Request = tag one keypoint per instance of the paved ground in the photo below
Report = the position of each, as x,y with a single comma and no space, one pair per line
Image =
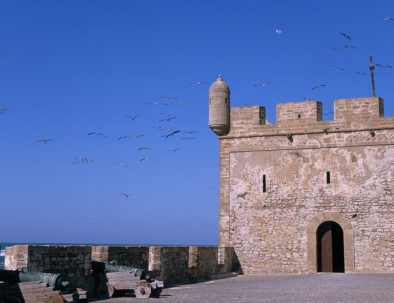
319,288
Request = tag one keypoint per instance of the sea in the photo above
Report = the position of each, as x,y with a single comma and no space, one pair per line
2,253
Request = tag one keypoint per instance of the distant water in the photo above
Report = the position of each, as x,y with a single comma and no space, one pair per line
2,253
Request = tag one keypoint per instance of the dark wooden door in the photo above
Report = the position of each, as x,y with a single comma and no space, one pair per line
330,254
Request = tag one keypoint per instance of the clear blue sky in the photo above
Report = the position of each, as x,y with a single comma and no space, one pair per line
70,68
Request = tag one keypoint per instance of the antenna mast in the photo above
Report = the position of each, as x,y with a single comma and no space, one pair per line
372,68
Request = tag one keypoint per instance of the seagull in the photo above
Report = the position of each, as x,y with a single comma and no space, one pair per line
124,195
82,160
123,137
171,134
189,138
168,118
278,31
174,149
144,148
346,36
388,18
138,136
182,102
262,84
45,140
383,65
360,73
3,110
318,86
132,118
348,46
96,134
190,131
153,103
146,158
199,83
122,164
338,67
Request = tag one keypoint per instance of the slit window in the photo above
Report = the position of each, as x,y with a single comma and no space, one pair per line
264,184
328,177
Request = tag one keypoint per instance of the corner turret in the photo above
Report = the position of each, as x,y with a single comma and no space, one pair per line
219,107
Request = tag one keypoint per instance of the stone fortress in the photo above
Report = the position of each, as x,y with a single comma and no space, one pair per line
306,195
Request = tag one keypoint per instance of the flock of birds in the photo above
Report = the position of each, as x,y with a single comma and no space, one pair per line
189,135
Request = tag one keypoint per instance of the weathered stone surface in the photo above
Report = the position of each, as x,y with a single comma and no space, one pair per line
274,192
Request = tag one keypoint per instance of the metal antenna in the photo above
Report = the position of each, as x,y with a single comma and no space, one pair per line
372,68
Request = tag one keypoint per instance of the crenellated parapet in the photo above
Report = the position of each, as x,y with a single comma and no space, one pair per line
307,117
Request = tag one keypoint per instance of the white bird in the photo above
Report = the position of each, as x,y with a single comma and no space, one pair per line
132,118
360,73
144,148
388,18
123,137
126,195
199,83
146,158
189,138
262,84
278,31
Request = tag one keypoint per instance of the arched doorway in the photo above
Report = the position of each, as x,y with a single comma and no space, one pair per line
330,252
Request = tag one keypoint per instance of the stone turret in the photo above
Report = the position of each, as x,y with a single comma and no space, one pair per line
219,107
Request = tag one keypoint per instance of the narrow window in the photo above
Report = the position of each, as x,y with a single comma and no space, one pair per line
264,184
328,177
299,116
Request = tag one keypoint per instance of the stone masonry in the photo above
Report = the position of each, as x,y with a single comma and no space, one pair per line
280,182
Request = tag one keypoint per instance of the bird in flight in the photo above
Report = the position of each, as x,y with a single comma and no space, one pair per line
262,84
278,31
138,136
123,137
346,36
189,138
338,67
3,110
171,134
388,18
45,141
96,134
82,160
146,158
168,97
168,118
198,83
153,103
122,164
144,148
318,86
126,195
190,131
360,73
174,149
383,65
243,195
132,118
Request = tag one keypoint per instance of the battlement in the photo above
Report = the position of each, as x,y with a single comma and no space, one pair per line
358,108
295,112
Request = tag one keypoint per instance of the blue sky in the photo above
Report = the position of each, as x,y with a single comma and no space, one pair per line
70,68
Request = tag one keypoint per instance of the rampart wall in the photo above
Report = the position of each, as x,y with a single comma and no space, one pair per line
172,264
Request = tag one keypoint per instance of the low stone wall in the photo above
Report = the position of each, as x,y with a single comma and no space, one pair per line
72,261
171,264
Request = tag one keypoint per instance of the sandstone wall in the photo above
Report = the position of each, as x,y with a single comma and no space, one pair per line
273,184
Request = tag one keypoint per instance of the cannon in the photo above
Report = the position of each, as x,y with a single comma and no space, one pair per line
55,281
122,279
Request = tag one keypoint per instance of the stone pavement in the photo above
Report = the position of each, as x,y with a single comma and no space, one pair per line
312,288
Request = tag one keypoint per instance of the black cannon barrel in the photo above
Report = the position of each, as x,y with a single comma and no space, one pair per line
137,272
56,281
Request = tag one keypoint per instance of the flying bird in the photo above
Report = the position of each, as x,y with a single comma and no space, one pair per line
383,65
154,103
348,46
45,141
144,148
122,164
388,18
190,131
138,136
189,138
171,134
123,137
199,83
262,84
126,195
168,97
318,86
278,31
132,118
243,195
96,134
360,73
3,110
168,118
146,158
174,149
82,160
346,35
338,67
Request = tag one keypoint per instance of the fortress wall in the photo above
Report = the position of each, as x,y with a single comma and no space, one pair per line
358,108
297,112
269,229
172,264
72,261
